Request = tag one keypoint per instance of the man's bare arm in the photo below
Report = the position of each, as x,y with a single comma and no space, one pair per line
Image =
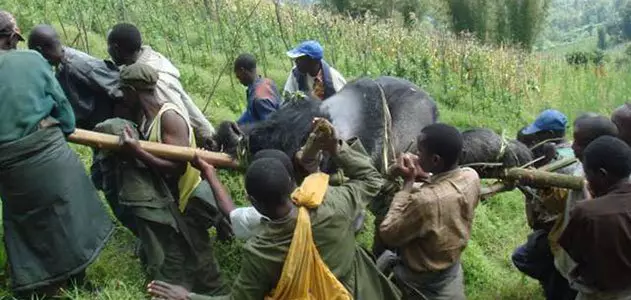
174,132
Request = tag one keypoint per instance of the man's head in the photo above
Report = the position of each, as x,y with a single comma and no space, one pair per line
123,43
10,34
279,155
245,68
439,147
589,127
606,161
622,118
307,57
550,124
45,40
138,83
268,185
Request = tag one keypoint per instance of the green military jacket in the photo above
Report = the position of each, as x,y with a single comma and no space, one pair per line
333,233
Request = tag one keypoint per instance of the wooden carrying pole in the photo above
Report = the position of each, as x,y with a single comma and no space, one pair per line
112,142
542,177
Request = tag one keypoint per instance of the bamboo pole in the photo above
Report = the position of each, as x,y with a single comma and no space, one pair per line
112,142
500,187
539,178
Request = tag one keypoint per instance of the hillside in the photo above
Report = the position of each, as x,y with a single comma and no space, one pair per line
574,24
474,85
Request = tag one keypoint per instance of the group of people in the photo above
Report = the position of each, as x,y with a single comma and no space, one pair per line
300,232
580,247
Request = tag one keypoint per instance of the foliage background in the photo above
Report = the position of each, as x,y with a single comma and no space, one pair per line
475,84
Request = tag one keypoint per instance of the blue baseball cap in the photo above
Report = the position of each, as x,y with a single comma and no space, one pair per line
312,49
548,120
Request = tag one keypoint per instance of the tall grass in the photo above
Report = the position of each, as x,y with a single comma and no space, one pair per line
475,85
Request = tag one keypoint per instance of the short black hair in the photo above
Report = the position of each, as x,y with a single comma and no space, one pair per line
268,181
276,154
246,61
597,126
443,140
126,36
609,153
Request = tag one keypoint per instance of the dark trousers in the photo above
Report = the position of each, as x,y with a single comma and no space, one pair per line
166,252
184,256
535,259
199,216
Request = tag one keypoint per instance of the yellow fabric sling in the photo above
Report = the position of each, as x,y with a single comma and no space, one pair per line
305,275
189,181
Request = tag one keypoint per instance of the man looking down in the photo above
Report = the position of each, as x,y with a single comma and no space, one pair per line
184,254
312,75
269,188
124,44
91,84
431,225
262,96
598,235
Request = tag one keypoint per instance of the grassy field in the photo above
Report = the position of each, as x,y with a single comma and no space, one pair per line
474,85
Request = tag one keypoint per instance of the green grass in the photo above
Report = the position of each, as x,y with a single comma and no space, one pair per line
474,85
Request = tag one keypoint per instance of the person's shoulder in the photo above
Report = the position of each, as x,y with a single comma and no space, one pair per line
266,89
25,54
172,115
586,208
468,173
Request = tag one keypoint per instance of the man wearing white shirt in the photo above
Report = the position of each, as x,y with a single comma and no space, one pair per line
312,75
245,221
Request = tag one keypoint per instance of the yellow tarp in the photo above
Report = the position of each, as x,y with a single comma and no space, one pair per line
305,276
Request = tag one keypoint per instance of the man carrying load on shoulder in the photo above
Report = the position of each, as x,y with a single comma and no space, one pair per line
174,234
316,218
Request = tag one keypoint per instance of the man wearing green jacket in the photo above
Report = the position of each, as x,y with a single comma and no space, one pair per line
331,223
54,223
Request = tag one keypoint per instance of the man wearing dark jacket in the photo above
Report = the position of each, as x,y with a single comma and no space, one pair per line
598,235
91,84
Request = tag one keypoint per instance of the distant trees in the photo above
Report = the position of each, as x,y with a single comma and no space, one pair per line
516,22
379,8
602,38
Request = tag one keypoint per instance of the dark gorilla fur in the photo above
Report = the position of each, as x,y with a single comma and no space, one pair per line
484,145
356,111
294,118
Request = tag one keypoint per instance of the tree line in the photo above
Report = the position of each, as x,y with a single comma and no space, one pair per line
515,22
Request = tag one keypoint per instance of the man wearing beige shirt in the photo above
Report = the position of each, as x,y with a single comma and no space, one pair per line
125,46
429,226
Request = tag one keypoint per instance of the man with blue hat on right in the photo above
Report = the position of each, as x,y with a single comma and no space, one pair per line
546,137
312,75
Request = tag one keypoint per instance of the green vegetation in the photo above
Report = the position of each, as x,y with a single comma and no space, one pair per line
475,85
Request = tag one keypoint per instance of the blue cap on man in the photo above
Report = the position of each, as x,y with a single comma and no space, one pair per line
312,49
548,120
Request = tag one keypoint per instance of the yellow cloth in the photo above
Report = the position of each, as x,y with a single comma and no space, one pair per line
305,275
189,181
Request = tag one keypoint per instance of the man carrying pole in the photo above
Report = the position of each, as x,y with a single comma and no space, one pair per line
175,239
53,229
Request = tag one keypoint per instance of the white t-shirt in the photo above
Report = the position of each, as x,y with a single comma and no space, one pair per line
246,222
292,84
